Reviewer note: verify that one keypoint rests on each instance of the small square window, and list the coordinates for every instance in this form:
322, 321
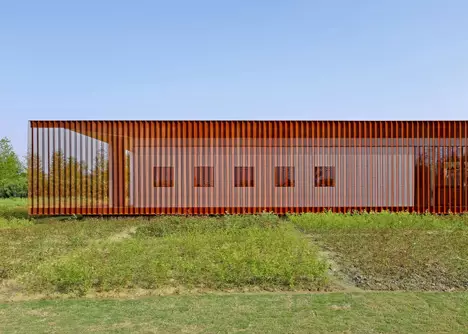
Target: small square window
163, 176
324, 176
284, 177
203, 177
243, 177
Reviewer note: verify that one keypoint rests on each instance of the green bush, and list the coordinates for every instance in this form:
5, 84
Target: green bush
14, 189
13, 179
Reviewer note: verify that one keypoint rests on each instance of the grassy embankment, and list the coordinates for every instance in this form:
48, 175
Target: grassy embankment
129, 257
393, 251
165, 253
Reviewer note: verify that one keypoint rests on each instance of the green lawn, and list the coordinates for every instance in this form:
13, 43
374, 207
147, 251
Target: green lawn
396, 312
14, 213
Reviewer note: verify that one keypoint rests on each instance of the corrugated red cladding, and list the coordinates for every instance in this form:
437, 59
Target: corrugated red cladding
214, 167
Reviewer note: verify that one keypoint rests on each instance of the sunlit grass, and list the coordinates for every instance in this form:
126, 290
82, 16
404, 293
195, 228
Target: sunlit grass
397, 312
394, 251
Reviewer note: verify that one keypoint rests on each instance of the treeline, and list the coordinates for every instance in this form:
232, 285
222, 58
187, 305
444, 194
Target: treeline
68, 177
13, 173
59, 176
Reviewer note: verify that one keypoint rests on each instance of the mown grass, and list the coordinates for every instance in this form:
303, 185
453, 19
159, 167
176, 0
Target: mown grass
389, 251
14, 213
8, 204
396, 312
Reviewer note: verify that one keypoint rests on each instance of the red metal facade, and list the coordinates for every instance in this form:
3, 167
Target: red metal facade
214, 167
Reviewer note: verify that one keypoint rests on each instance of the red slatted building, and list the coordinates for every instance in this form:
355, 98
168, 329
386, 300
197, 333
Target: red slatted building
214, 167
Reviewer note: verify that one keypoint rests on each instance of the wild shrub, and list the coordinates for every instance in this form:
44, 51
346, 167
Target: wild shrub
167, 225
204, 257
363, 220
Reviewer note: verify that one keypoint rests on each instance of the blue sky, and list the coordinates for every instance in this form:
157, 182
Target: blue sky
231, 60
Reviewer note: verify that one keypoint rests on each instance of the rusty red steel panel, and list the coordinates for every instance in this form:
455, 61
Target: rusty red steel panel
217, 167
